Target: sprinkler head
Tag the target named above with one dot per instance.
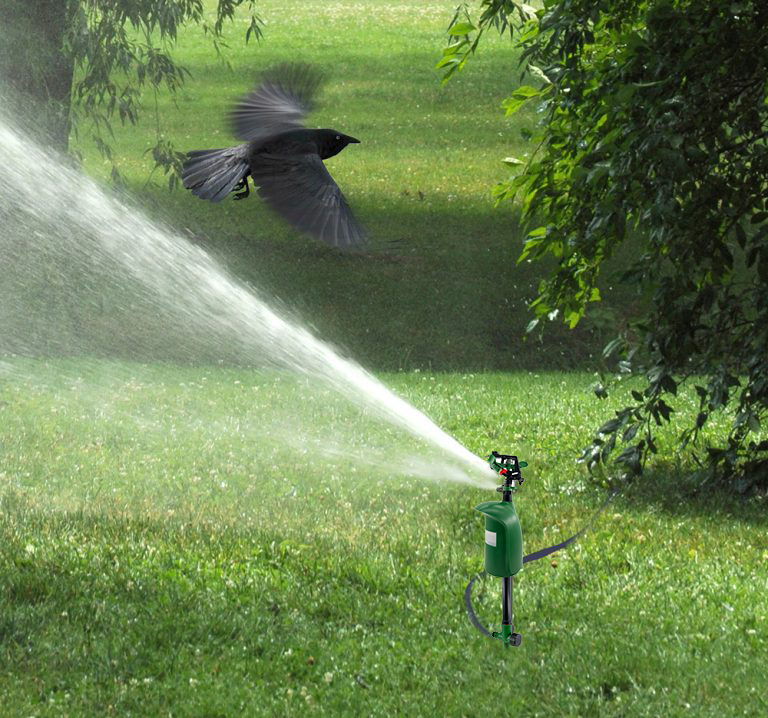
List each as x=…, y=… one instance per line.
x=499, y=462
x=508, y=467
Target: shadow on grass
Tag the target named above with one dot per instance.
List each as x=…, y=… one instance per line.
x=443, y=291
x=676, y=491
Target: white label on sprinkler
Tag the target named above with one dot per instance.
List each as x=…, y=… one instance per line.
x=490, y=538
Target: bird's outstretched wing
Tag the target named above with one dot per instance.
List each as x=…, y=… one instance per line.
x=301, y=190
x=212, y=174
x=282, y=99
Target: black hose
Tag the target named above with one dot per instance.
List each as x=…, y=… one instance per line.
x=471, y=611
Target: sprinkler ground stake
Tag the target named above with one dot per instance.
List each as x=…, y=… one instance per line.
x=504, y=539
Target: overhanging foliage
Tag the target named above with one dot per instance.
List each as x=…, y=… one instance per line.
x=653, y=133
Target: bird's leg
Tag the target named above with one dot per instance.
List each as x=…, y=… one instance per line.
x=242, y=185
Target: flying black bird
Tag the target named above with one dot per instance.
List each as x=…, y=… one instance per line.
x=282, y=157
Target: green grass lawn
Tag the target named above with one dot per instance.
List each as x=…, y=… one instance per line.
x=211, y=542
x=161, y=556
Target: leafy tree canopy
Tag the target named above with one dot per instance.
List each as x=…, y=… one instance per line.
x=653, y=133
x=90, y=60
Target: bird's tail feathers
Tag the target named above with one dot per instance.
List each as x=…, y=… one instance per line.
x=213, y=174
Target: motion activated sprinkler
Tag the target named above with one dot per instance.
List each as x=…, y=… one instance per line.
x=504, y=544
x=504, y=539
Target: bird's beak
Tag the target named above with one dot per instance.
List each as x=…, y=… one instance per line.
x=352, y=140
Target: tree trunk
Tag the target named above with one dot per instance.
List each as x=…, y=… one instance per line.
x=35, y=65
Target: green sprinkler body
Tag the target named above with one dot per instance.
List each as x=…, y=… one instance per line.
x=504, y=539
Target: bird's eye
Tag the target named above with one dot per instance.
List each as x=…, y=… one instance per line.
x=338, y=137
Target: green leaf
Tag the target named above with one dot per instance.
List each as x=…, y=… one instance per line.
x=461, y=28
x=448, y=60
x=664, y=409
x=741, y=235
x=538, y=73
x=630, y=432
x=526, y=91
x=512, y=105
x=610, y=426
x=669, y=384
x=519, y=97
x=512, y=161
x=573, y=318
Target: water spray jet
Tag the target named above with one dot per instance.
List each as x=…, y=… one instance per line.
x=96, y=247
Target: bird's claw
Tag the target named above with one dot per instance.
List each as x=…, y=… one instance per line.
x=243, y=185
